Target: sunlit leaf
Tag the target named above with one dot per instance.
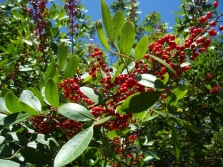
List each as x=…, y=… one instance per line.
x=127, y=38
x=106, y=18
x=181, y=91
x=141, y=48
x=11, y=103
x=51, y=93
x=117, y=22
x=62, y=54
x=75, y=112
x=74, y=147
x=90, y=93
x=71, y=67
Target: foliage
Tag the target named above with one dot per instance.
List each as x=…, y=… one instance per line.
x=62, y=104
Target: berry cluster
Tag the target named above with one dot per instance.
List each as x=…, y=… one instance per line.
x=125, y=150
x=54, y=124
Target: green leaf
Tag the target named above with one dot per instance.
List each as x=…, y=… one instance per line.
x=115, y=133
x=90, y=93
x=74, y=147
x=166, y=78
x=181, y=91
x=163, y=63
x=149, y=80
x=101, y=34
x=106, y=17
x=172, y=102
x=175, y=141
x=11, y=103
x=185, y=124
x=4, y=92
x=13, y=118
x=2, y=138
x=127, y=38
x=141, y=48
x=117, y=22
x=71, y=67
x=28, y=42
x=103, y=120
x=118, y=71
x=3, y=108
x=28, y=98
x=51, y=93
x=75, y=112
x=8, y=163
x=25, y=107
x=50, y=72
x=154, y=155
x=62, y=55
x=140, y=101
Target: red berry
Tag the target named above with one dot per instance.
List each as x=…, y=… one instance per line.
x=221, y=28
x=209, y=14
x=215, y=4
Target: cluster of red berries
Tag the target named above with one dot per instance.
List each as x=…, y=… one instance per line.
x=124, y=149
x=209, y=76
x=54, y=124
x=215, y=90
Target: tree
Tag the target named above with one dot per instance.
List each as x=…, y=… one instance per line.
x=61, y=103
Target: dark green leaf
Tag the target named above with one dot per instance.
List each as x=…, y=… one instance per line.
x=75, y=112
x=62, y=54
x=51, y=93
x=172, y=102
x=11, y=103
x=154, y=155
x=139, y=102
x=141, y=48
x=115, y=133
x=175, y=141
x=185, y=124
x=127, y=38
x=117, y=22
x=50, y=72
x=71, y=67
x=4, y=92
x=101, y=34
x=13, y=118
x=74, y=147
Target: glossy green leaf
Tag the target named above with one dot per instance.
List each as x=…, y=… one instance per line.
x=163, y=63
x=175, y=141
x=101, y=34
x=75, y=112
x=127, y=38
x=181, y=91
x=106, y=18
x=117, y=22
x=166, y=78
x=51, y=93
x=27, y=97
x=2, y=138
x=3, y=108
x=185, y=124
x=74, y=147
x=62, y=54
x=26, y=108
x=90, y=93
x=51, y=71
x=118, y=71
x=154, y=155
x=71, y=67
x=11, y=103
x=141, y=48
x=172, y=102
x=13, y=118
x=4, y=92
x=8, y=163
x=140, y=101
x=103, y=120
